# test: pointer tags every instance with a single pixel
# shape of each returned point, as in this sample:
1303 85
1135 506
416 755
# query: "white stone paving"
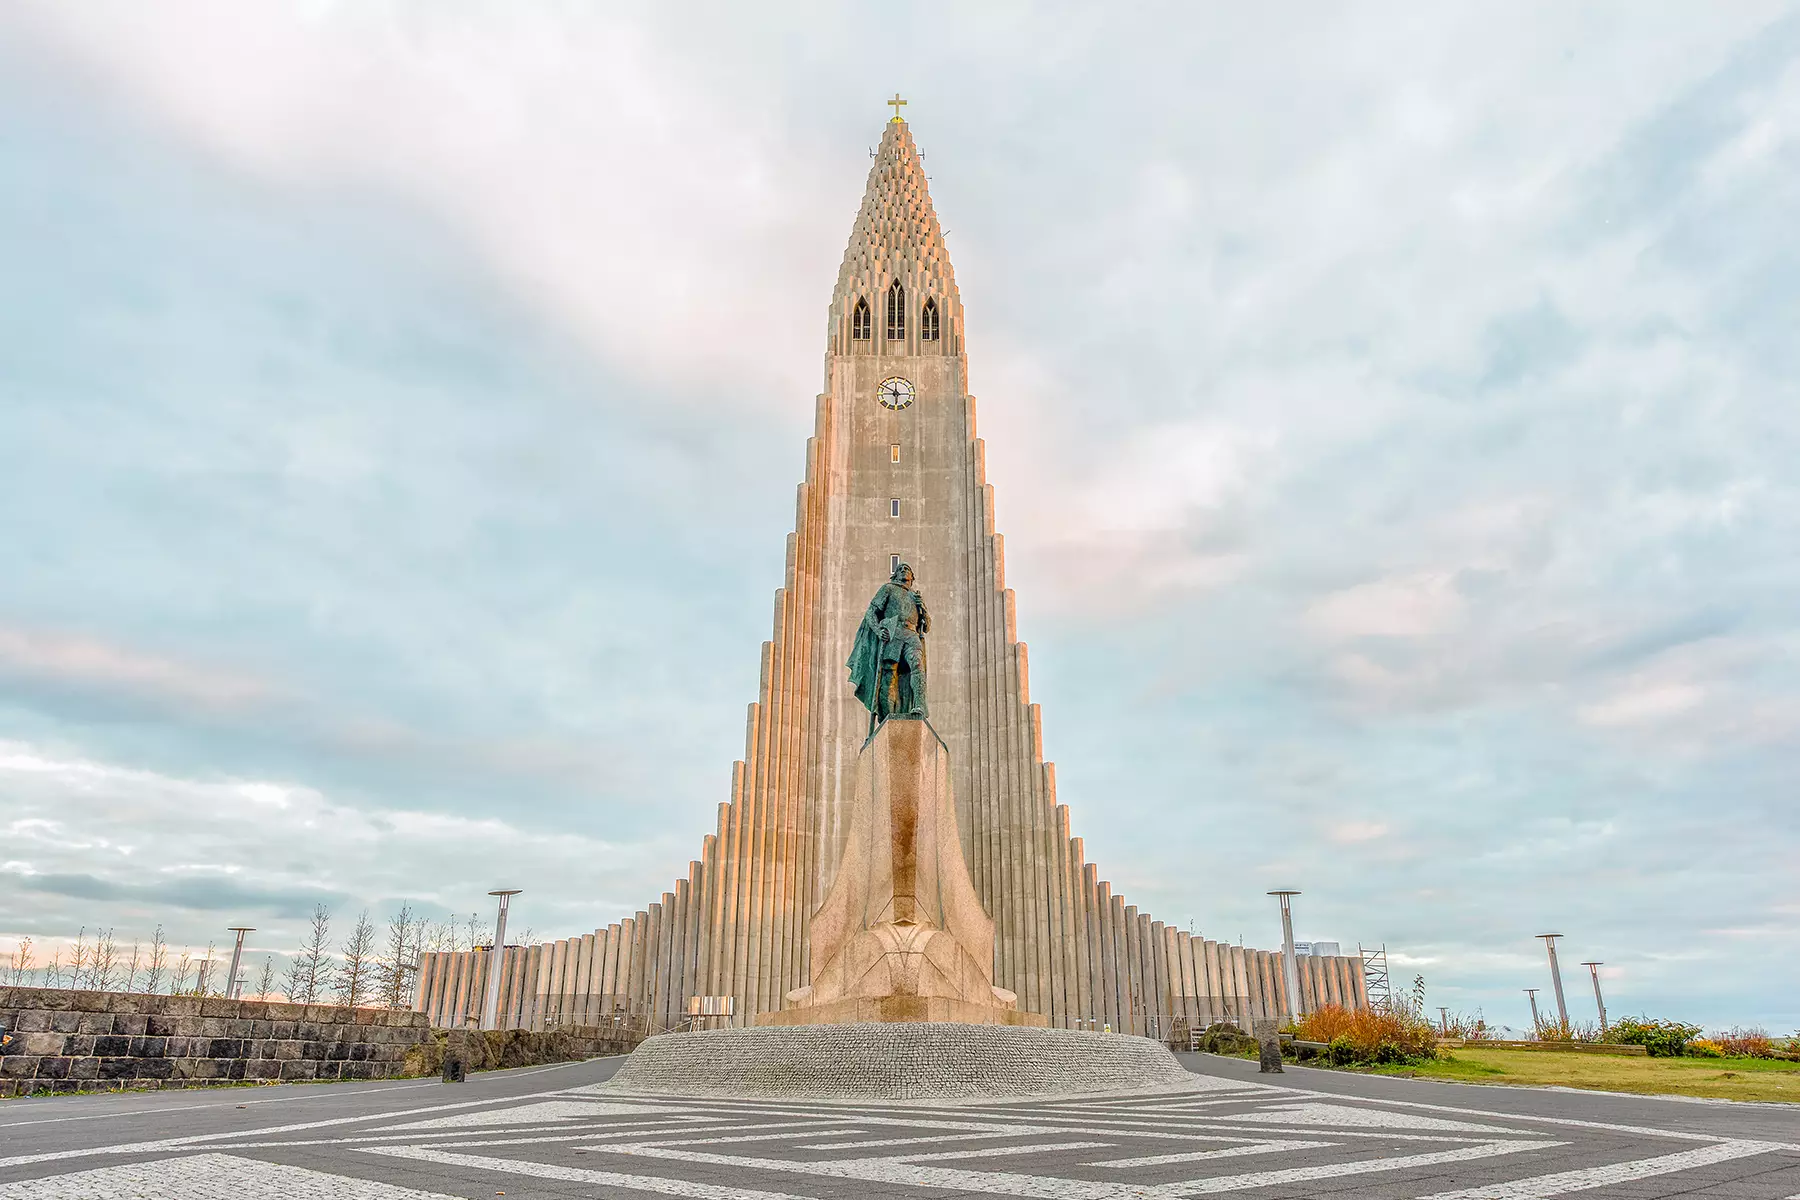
1344 1116
528 1114
1562 1182
207 1177
1243 1138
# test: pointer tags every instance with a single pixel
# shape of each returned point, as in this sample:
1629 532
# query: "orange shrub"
1744 1043
1325 1024
1376 1036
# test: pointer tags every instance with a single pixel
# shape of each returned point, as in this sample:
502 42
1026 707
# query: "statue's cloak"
866 663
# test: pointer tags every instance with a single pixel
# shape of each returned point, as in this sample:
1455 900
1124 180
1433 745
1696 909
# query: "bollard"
1268 1045
455 1063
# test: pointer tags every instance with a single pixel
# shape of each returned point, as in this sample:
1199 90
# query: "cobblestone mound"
921 1061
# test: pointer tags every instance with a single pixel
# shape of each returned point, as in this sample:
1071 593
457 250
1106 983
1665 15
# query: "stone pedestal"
1268 1046
901 936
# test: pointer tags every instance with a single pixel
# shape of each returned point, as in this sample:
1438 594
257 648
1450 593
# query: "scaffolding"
1375 976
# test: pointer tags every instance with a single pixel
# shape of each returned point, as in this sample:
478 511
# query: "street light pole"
490 1008
233 987
1562 1007
1537 1022
1594 970
1290 971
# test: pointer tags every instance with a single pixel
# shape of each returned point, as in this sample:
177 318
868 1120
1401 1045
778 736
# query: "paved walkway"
544 1132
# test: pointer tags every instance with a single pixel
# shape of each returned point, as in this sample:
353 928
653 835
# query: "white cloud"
1413 606
268 849
602 178
1647 705
71 660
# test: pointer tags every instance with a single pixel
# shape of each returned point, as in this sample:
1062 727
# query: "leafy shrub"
1744 1043
1705 1048
1222 1037
1663 1039
1368 1036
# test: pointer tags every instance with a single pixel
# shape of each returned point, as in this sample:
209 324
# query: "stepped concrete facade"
894 471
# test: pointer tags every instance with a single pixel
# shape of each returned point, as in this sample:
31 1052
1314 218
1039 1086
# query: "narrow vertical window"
859 321
928 322
896 312
893 508
894 452
893 563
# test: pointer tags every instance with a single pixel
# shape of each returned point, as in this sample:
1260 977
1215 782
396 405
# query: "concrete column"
1192 972
1562 1006
1081 986
459 998
1131 973
491 1005
233 988
609 970
1288 970
1599 1002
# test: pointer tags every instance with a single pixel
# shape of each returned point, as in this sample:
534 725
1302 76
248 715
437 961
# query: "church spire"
896 240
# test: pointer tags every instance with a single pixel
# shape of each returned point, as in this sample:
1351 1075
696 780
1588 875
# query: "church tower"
894 472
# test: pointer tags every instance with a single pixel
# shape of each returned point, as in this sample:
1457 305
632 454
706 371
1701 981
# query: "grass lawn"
1721 1078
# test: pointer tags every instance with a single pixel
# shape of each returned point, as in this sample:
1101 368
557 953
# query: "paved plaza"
546 1132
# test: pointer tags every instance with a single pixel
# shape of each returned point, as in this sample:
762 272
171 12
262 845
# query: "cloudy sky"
1392 410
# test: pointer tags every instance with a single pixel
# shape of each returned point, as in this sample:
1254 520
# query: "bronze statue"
887 663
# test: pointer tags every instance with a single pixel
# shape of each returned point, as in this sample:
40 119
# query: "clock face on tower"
895 392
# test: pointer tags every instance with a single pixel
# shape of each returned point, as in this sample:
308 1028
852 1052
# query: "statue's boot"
915 679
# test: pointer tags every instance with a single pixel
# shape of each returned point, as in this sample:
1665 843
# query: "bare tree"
180 974
265 982
53 969
158 963
356 977
80 960
22 962
475 930
131 966
309 973
442 936
103 973
395 968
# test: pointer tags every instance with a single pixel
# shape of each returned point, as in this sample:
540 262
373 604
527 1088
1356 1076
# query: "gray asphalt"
543 1132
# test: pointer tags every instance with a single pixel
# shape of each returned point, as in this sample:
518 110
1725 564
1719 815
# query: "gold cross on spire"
895 104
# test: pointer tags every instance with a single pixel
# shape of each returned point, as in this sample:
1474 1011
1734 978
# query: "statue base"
901 936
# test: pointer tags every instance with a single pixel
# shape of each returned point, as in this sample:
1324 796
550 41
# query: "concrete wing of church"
894 470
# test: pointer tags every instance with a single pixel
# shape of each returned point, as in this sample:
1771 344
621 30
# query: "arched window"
896 312
928 322
859 321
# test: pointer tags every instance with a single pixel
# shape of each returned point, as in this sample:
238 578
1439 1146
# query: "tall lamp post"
232 987
490 1007
1537 1022
1594 970
1562 1007
1290 972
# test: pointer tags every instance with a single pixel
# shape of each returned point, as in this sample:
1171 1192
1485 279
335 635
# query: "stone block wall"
66 1041
503 1049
